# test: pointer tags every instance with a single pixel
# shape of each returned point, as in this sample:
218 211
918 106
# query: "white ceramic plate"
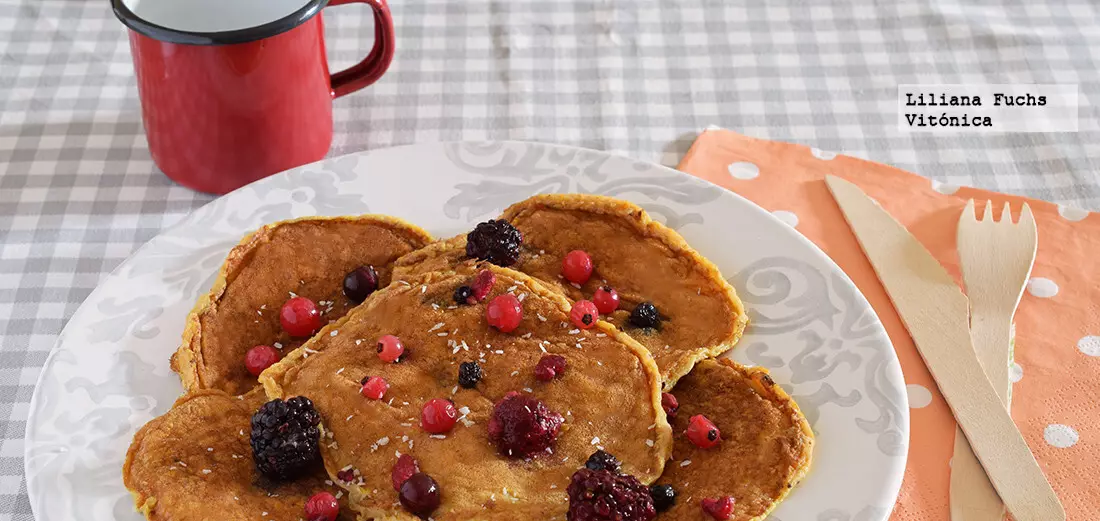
810 326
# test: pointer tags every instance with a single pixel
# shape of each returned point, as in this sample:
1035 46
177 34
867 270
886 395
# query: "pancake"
640 258
765 449
308 257
194 463
609 396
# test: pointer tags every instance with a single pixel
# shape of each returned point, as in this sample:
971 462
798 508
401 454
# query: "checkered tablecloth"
79 192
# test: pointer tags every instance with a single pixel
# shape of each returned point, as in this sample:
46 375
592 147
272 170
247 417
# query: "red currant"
504 312
606 300
577 266
720 509
702 432
374 387
584 314
438 416
300 317
670 404
322 506
259 358
390 348
405 467
549 367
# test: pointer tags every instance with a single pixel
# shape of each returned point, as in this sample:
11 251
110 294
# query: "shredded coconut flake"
595 440
685 463
435 327
541 318
649 442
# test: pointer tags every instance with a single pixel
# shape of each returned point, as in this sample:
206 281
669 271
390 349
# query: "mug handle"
375 64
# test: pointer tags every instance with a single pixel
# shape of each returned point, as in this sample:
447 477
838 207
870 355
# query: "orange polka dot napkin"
1056 396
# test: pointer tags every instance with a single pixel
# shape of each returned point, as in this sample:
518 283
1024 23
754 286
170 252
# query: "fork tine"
1006 214
1027 220
987 215
968 212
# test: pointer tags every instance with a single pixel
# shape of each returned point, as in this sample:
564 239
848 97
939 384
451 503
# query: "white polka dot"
1061 436
1090 345
824 155
1042 287
1072 214
919 397
743 170
1015 372
788 218
944 188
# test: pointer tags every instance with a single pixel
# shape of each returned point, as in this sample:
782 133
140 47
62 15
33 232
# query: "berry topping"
645 315
670 404
606 300
495 241
405 467
420 495
504 312
576 267
374 387
602 460
300 317
664 496
584 314
720 509
359 283
605 495
482 284
322 506
438 416
469 374
550 367
390 348
259 358
462 295
284 438
522 426
702 432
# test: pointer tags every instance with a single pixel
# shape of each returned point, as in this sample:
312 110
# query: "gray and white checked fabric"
79 193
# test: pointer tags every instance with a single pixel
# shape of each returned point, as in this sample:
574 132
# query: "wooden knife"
935 312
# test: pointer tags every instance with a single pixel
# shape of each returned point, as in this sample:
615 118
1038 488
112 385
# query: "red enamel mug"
236 90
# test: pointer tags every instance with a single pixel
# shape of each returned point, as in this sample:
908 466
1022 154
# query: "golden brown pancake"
307 257
609 396
765 449
194 463
640 258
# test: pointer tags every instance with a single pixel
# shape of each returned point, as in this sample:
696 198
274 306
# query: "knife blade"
935 312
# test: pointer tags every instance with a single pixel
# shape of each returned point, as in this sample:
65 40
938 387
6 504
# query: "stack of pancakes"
195 463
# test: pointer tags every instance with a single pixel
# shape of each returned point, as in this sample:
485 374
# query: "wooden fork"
996 258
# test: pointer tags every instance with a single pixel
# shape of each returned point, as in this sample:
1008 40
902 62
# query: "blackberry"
645 315
284 438
469 374
602 460
462 295
496 241
599 495
664 496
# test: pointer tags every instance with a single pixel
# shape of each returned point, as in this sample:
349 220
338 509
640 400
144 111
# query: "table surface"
79 192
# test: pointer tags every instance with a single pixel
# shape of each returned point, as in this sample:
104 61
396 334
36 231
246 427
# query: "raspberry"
405 467
670 404
549 367
720 509
495 241
606 300
322 506
504 312
576 267
299 317
390 348
420 495
259 358
605 495
664 496
602 460
374 387
584 314
522 426
438 416
284 438
360 283
702 432
469 374
481 286
645 315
